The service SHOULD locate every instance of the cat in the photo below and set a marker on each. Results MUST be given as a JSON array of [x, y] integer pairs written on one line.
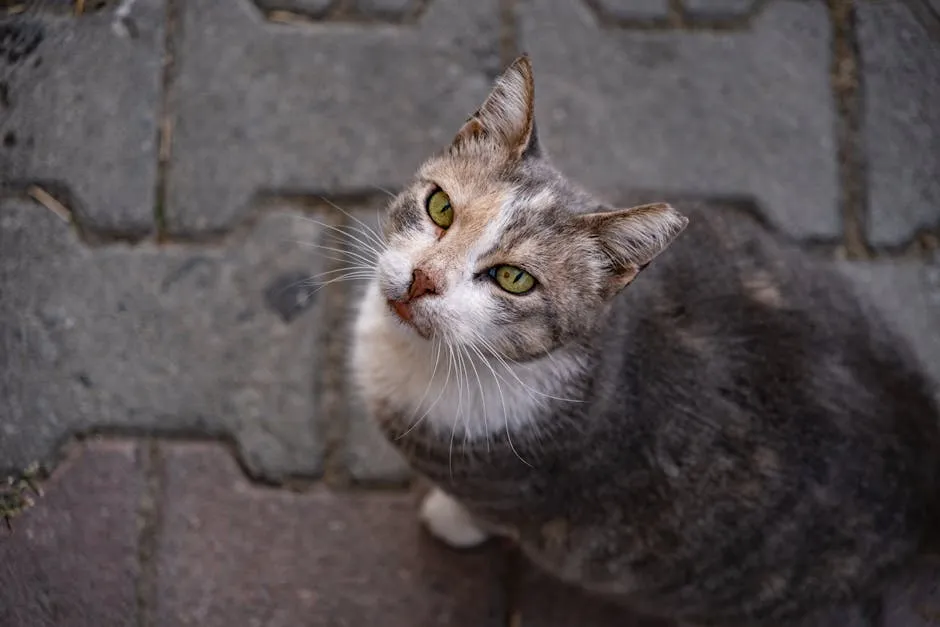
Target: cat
[[679, 411]]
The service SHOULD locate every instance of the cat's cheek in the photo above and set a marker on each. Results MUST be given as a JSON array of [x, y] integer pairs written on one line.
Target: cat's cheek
[[471, 311], [394, 270]]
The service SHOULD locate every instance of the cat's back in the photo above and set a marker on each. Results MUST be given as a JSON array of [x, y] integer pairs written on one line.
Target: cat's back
[[776, 346], [793, 424]]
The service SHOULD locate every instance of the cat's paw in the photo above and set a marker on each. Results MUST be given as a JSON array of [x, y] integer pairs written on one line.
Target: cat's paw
[[450, 522]]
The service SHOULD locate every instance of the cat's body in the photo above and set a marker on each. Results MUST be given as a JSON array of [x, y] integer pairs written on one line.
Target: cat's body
[[734, 438]]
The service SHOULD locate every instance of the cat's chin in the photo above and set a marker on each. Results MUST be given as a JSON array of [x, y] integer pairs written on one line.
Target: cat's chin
[[404, 316]]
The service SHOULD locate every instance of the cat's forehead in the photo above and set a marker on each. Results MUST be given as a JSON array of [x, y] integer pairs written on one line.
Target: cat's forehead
[[484, 187], [466, 180]]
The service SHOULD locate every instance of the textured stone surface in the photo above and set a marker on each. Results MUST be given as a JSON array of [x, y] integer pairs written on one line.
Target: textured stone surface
[[261, 106], [632, 9], [79, 107], [72, 559], [741, 112], [908, 292], [234, 554], [718, 8], [168, 338], [900, 60]]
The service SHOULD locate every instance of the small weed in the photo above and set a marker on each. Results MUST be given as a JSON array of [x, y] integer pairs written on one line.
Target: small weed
[[15, 495]]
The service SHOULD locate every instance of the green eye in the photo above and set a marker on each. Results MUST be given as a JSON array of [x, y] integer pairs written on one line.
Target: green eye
[[512, 279], [440, 210]]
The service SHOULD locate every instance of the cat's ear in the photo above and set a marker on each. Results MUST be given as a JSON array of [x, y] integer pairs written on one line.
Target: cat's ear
[[631, 238], [507, 117]]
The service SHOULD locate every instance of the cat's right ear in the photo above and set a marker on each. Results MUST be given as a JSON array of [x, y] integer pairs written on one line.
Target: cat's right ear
[[629, 239], [507, 117]]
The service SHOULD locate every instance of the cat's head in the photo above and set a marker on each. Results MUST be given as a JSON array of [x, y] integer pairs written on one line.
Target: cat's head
[[490, 246]]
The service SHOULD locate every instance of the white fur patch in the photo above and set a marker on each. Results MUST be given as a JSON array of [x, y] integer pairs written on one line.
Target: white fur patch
[[449, 522], [463, 398]]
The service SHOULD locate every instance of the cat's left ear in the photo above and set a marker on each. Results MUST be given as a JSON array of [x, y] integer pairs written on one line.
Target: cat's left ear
[[630, 239], [507, 117]]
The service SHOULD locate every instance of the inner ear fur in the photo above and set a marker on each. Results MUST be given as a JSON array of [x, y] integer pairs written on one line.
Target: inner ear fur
[[631, 238], [507, 117]]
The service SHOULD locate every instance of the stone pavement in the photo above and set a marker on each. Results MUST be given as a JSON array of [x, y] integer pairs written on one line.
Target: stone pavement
[[164, 162]]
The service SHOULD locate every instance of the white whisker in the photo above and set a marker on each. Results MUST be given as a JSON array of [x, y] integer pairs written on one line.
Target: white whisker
[[378, 238]]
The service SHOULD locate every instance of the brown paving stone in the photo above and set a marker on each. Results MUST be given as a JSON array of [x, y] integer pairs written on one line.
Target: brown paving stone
[[236, 554], [72, 559]]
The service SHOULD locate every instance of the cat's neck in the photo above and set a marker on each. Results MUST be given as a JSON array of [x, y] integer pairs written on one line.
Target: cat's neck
[[459, 394]]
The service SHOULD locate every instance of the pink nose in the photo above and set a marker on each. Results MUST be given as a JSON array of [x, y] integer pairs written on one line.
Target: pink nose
[[421, 285]]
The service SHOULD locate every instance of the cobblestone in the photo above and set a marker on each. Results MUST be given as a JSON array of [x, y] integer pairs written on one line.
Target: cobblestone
[[711, 113], [173, 338], [79, 107], [235, 554], [302, 108], [900, 60], [312, 8], [72, 559]]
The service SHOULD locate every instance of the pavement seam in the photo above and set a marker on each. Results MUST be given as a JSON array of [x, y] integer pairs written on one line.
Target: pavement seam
[[165, 120], [846, 77], [340, 11], [149, 515]]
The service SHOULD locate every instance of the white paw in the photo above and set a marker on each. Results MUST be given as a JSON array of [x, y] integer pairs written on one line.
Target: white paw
[[449, 522]]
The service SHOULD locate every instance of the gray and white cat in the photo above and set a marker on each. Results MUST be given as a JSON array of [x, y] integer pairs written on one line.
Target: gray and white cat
[[726, 435]]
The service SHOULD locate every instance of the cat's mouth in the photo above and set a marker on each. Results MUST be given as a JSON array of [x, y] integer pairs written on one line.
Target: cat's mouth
[[405, 313]]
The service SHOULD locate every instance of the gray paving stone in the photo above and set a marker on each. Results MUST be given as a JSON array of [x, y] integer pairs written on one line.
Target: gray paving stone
[[163, 338], [80, 108], [908, 291], [235, 554], [633, 9], [314, 107], [72, 558], [711, 113], [900, 61], [718, 8]]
